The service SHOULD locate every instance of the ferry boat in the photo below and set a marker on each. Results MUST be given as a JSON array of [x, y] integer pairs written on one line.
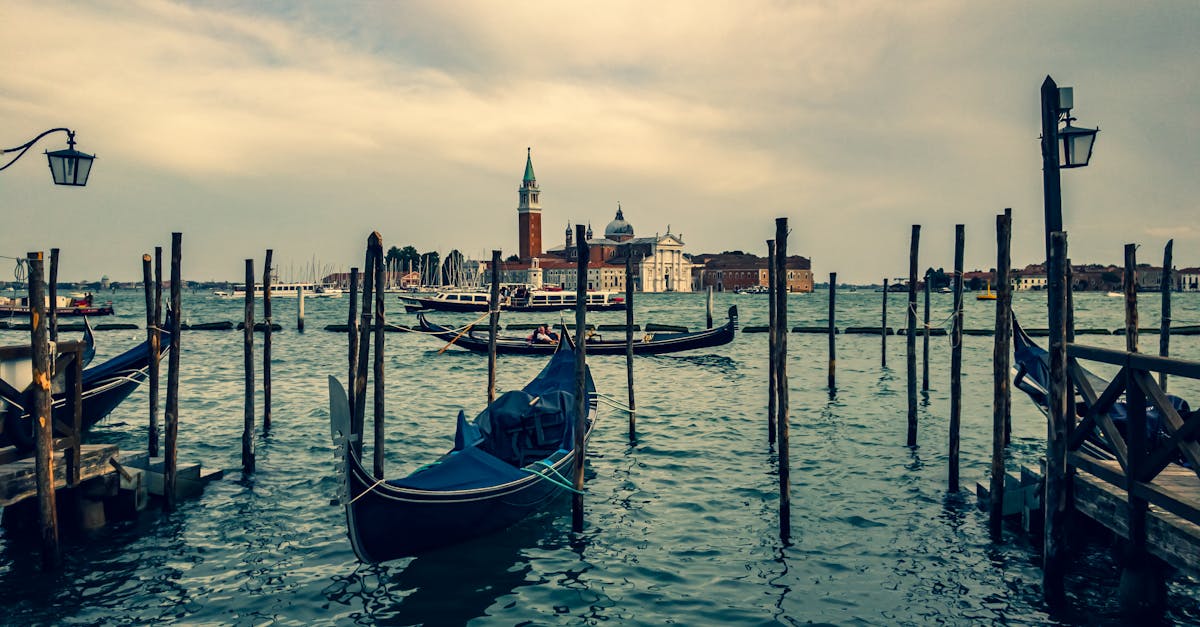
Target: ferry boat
[[290, 290], [514, 300]]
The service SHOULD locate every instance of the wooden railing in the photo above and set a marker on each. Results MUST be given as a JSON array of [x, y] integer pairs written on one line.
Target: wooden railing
[[1141, 459]]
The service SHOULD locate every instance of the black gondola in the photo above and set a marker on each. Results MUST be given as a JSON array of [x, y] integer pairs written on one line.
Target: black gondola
[[104, 387], [513, 459], [648, 344]]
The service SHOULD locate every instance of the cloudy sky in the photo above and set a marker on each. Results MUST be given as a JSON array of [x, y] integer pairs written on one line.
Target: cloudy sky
[[303, 126]]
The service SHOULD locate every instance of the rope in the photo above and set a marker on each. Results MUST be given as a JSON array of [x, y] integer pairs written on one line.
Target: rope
[[466, 330], [360, 494], [614, 403], [913, 309], [557, 479]]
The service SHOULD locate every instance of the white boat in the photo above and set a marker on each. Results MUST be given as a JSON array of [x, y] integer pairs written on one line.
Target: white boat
[[292, 290]]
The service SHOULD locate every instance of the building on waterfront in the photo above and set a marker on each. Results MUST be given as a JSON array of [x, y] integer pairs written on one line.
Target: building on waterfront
[[659, 263], [1187, 280], [729, 272]]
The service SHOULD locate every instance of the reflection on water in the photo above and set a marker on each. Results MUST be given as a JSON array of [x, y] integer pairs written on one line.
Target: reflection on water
[[681, 525]]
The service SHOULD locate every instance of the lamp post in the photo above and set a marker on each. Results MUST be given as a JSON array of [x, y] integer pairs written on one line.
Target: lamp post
[[1069, 147], [68, 167]]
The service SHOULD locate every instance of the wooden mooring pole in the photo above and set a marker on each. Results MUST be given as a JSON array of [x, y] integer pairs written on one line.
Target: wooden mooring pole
[[1055, 502], [772, 340], [300, 310], [43, 427], [152, 339], [581, 393], [493, 326], [911, 339], [156, 341], [267, 343], [1142, 589], [925, 340], [629, 342], [883, 328], [955, 358], [379, 323], [781, 292], [1001, 357], [52, 286], [709, 307], [358, 425], [172, 413], [248, 363], [832, 332], [1164, 334], [352, 378]]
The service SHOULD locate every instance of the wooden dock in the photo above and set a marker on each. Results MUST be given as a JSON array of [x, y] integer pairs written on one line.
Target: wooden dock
[[18, 478]]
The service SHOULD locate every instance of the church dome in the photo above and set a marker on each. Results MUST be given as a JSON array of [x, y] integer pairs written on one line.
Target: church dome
[[618, 229]]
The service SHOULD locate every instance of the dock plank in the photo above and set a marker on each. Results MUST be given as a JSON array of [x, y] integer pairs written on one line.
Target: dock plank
[[18, 479]]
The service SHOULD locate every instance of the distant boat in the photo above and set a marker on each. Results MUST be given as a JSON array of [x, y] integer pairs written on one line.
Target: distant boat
[[944, 290], [988, 295], [1115, 294], [753, 289], [535, 300], [74, 305], [290, 290]]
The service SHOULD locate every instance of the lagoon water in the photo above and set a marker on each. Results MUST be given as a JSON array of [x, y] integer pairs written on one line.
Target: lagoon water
[[681, 525]]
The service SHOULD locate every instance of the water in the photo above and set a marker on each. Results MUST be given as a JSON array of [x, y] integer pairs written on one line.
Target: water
[[681, 526]]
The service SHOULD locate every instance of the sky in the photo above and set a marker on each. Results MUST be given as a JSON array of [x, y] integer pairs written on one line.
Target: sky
[[304, 126]]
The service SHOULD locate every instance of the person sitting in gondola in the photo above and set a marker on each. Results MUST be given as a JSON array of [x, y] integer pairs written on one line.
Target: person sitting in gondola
[[543, 335]]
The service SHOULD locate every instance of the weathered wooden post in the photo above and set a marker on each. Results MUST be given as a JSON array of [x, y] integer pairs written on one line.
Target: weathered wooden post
[[773, 365], [172, 413], [53, 288], [911, 339], [709, 307], [1142, 589], [629, 341], [493, 325], [781, 292], [358, 425], [1001, 357], [883, 328], [300, 309], [378, 444], [832, 331], [267, 320], [40, 413], [955, 357], [156, 346], [352, 326], [1055, 503], [1164, 335], [925, 340], [581, 393], [248, 364], [152, 347]]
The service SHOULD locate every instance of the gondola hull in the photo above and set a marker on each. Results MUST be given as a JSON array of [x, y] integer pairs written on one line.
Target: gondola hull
[[105, 386], [471, 490], [648, 344]]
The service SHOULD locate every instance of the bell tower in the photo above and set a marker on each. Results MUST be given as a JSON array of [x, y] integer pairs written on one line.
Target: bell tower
[[529, 214]]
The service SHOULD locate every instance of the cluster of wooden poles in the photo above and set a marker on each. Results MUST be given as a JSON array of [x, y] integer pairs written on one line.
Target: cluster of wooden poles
[[248, 329], [44, 335]]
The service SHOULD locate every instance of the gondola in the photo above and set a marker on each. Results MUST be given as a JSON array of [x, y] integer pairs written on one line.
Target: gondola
[[512, 460], [1032, 363], [647, 344], [104, 387]]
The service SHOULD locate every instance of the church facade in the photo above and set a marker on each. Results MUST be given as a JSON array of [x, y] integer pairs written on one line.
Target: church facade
[[659, 263]]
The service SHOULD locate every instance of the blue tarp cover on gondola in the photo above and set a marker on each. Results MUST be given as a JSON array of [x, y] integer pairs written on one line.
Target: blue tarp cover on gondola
[[520, 427]]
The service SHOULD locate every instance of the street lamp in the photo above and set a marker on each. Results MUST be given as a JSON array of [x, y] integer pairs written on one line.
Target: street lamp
[[68, 167], [1065, 148]]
